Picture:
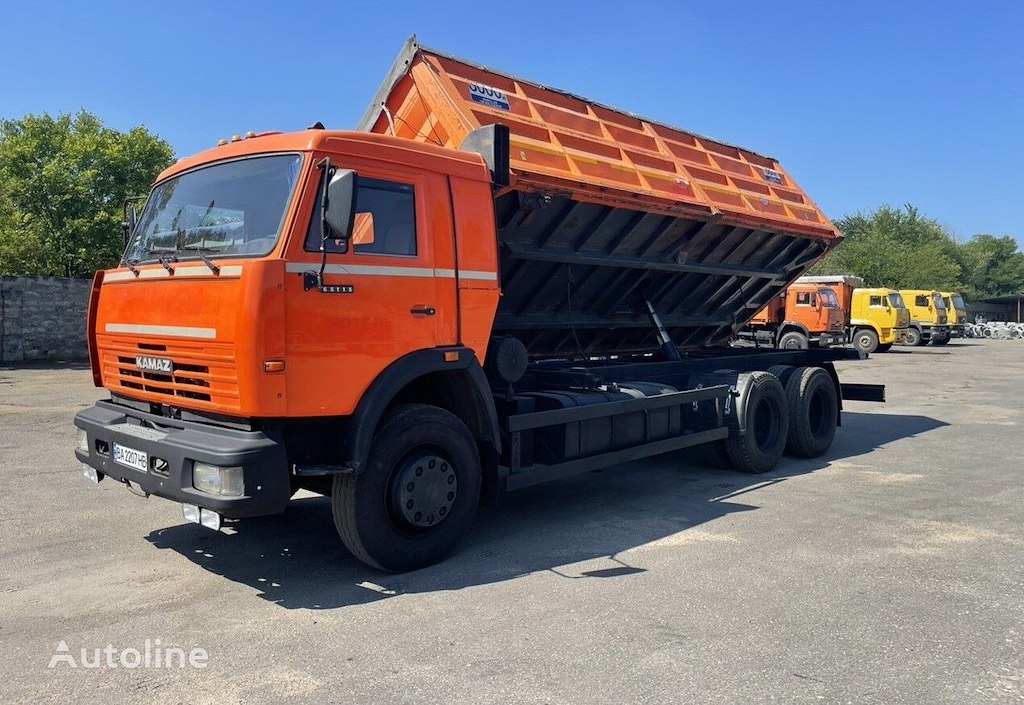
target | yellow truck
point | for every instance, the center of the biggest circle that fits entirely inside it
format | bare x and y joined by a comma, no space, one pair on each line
929,321
874,318
956,311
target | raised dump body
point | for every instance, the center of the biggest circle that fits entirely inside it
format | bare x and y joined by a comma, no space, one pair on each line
605,209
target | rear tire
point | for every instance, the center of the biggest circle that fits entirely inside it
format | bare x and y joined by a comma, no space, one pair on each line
793,340
865,340
417,495
913,337
813,412
759,447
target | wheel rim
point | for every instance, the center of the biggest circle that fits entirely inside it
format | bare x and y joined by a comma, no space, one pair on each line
864,342
422,490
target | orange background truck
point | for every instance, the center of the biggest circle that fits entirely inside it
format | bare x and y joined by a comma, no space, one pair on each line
875,317
803,314
493,284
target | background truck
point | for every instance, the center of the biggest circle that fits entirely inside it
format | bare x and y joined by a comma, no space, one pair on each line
929,322
492,285
956,312
801,315
875,318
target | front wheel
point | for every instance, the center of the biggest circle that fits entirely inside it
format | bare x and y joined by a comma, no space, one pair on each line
417,495
913,337
793,340
865,340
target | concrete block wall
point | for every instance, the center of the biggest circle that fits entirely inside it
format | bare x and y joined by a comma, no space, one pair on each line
43,318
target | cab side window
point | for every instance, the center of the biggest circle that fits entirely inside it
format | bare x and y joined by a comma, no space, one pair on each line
385,221
806,298
920,300
875,301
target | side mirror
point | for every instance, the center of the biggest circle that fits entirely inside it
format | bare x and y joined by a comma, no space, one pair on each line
339,207
129,219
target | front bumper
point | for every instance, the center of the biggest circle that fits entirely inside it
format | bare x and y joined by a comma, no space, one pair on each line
178,444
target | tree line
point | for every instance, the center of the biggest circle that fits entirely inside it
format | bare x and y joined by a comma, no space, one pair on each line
64,180
903,249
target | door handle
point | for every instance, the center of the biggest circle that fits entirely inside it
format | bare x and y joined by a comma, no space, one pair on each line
423,311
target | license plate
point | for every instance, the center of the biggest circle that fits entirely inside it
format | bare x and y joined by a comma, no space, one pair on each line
129,457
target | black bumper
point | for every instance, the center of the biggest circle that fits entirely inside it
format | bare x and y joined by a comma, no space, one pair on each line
179,444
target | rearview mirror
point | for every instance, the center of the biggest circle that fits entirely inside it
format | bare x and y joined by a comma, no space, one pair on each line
339,207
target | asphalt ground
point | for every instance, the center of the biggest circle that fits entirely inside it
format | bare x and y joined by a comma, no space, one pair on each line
891,571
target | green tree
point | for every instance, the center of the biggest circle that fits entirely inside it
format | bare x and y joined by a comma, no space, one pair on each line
895,247
63,181
992,266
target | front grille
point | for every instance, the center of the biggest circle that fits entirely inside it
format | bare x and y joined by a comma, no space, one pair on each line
204,374
174,384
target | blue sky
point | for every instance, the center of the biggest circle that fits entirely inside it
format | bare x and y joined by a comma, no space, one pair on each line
865,102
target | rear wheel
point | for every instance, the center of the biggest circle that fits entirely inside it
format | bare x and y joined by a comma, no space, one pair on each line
865,340
913,337
813,412
759,446
793,340
417,495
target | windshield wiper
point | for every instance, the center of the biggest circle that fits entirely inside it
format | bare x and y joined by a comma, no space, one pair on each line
130,264
202,251
166,255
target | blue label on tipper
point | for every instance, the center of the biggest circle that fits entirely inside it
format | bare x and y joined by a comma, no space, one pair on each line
773,176
488,96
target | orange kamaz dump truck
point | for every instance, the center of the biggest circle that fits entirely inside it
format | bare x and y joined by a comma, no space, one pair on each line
490,285
802,315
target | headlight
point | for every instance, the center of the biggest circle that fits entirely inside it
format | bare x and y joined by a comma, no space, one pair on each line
83,441
213,479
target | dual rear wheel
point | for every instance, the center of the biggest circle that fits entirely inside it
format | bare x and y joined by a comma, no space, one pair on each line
795,412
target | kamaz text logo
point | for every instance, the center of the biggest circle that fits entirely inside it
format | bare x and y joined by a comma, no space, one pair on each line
154,364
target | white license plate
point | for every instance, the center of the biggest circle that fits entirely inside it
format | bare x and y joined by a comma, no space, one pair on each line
129,457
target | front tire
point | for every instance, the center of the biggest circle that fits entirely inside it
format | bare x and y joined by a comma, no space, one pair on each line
417,495
913,337
793,340
865,340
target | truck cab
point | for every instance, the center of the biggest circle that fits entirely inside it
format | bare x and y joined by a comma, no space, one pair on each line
878,319
802,315
956,309
929,321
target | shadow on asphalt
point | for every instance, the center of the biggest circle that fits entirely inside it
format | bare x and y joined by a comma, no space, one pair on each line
296,560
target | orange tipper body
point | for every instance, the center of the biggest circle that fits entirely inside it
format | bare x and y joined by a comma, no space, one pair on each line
413,316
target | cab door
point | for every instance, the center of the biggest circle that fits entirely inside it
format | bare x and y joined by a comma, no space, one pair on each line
385,298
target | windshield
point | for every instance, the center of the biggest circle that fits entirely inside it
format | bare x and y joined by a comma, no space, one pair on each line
958,302
234,208
939,303
896,300
828,298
